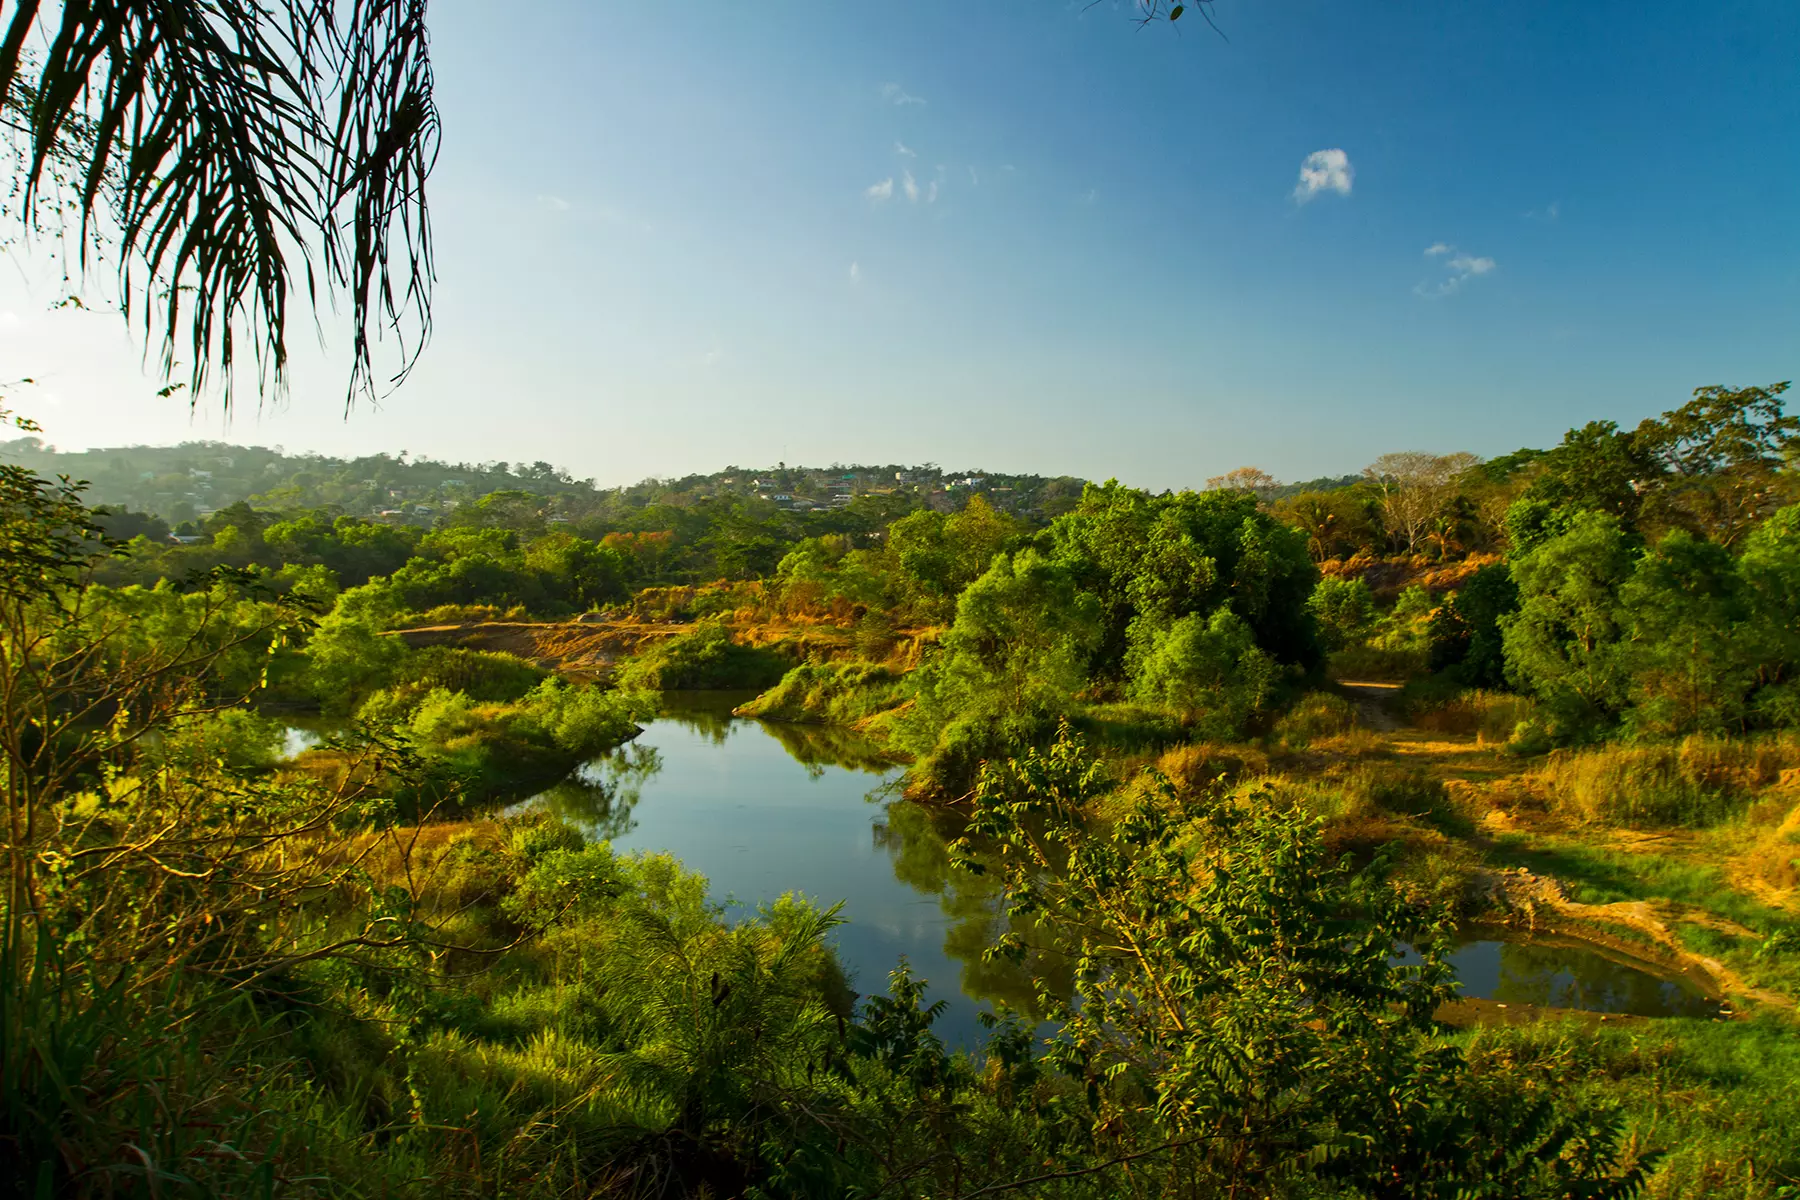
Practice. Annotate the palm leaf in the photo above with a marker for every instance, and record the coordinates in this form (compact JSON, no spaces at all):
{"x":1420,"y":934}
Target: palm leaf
{"x":236,"y":152}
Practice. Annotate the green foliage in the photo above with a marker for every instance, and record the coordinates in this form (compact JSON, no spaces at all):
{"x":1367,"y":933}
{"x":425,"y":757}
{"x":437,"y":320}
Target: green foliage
{"x":347,"y":659}
{"x":1211,"y":671}
{"x":705,"y":656}
{"x":1344,"y":609}
{"x":1314,"y":716}
{"x":844,"y":693}
{"x":1240,"y":1007}
{"x":478,"y":674}
{"x":1563,"y":643}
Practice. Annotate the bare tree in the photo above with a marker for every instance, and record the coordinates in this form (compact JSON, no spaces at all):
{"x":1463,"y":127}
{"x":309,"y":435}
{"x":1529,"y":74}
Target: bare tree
{"x":229,"y":154}
{"x":1416,"y":489}
{"x":1246,"y":479}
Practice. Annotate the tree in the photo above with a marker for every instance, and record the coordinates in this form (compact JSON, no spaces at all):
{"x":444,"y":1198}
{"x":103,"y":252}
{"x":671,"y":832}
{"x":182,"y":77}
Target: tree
{"x":228,"y":155}
{"x":1344,"y":609}
{"x":1415,"y":489}
{"x":1562,"y":643}
{"x":1240,"y":1017}
{"x":1254,"y":480}
{"x":1720,"y":456}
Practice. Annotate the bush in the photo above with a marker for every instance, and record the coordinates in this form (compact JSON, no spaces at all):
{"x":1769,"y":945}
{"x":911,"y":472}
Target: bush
{"x":705,"y":657}
{"x":1696,"y":782}
{"x":1195,"y":768}
{"x":1378,"y":662}
{"x":479,"y":674}
{"x":840,"y":693}
{"x":1315,"y":715}
{"x":1344,"y":609}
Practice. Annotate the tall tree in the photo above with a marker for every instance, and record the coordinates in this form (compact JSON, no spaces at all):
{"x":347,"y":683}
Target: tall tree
{"x":1416,"y":488}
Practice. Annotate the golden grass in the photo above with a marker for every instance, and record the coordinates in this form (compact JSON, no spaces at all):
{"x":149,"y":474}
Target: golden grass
{"x":1695,"y":782}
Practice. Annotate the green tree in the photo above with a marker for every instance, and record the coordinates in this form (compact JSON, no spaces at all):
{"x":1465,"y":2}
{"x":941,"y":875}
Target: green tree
{"x":1563,"y":643}
{"x":1344,"y":609}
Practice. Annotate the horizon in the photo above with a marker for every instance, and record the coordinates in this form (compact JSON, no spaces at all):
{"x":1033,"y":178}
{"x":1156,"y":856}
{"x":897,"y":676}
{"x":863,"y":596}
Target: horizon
{"x":1048,"y":242}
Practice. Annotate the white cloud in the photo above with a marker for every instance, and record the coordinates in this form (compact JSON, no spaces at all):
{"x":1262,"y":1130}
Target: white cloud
{"x":1087,"y":197}
{"x":931,"y":190}
{"x":554,"y":203}
{"x":902,"y":149}
{"x":855,"y":272}
{"x":1548,"y":213}
{"x":974,"y":179}
{"x":880,"y":191}
{"x":1461,"y":268}
{"x":896,"y":94}
{"x":1324,"y":171}
{"x":911,"y":185}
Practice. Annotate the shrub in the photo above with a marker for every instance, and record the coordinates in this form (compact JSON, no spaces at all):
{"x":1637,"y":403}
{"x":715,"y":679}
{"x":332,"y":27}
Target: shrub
{"x":704,"y":657}
{"x":1377,"y":662}
{"x":1344,"y":609}
{"x":842,"y":693}
{"x":479,"y":674}
{"x":1197,"y":767}
{"x":1315,"y":715}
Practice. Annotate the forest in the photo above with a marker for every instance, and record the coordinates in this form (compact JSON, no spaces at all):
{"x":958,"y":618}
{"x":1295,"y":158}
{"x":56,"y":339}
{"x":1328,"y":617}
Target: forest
{"x":1217,"y":755}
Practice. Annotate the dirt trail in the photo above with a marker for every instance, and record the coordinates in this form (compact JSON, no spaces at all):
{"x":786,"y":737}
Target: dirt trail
{"x":575,"y":647}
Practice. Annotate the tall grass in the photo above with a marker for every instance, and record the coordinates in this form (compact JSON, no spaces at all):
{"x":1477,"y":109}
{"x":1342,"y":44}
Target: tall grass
{"x":1696,"y":782}
{"x":1491,"y":716}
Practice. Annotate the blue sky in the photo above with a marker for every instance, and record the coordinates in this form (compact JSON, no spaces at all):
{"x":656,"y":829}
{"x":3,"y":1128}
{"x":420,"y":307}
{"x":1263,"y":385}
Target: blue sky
{"x":672,"y":239}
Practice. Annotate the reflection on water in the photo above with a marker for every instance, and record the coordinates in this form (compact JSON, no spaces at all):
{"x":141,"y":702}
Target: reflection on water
{"x":1562,"y":974}
{"x":601,"y":794}
{"x":762,"y":809}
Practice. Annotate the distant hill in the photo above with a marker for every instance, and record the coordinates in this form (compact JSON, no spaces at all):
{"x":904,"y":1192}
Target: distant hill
{"x":191,"y":481}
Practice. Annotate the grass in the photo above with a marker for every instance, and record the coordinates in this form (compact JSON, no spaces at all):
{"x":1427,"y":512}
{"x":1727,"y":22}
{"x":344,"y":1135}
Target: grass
{"x":1697,"y":782}
{"x":1491,"y":717}
{"x":1713,"y":1102}
{"x":1598,"y":875}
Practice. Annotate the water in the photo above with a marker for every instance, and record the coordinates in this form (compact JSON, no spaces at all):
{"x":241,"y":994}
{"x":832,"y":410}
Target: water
{"x":1564,"y":974}
{"x":764,"y":808}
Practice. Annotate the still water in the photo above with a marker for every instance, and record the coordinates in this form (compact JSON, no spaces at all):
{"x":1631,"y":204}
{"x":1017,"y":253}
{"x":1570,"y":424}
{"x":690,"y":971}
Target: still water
{"x":1562,"y":974}
{"x":765,"y":808}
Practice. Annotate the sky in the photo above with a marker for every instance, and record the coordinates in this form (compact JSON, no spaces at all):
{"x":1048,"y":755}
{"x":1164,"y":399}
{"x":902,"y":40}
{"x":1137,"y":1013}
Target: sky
{"x":1039,"y":238}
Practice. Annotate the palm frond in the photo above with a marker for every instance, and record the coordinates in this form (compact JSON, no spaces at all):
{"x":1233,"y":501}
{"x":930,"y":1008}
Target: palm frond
{"x":236,"y":152}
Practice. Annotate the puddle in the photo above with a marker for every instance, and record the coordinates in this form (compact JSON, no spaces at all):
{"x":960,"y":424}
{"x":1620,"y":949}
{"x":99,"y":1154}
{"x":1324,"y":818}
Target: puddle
{"x":1566,"y":974}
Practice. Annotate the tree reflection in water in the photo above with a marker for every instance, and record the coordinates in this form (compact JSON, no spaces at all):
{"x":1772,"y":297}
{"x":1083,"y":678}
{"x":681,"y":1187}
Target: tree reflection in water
{"x":600,"y":795}
{"x":1564,"y":976}
{"x":917,"y":839}
{"x":817,"y":747}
